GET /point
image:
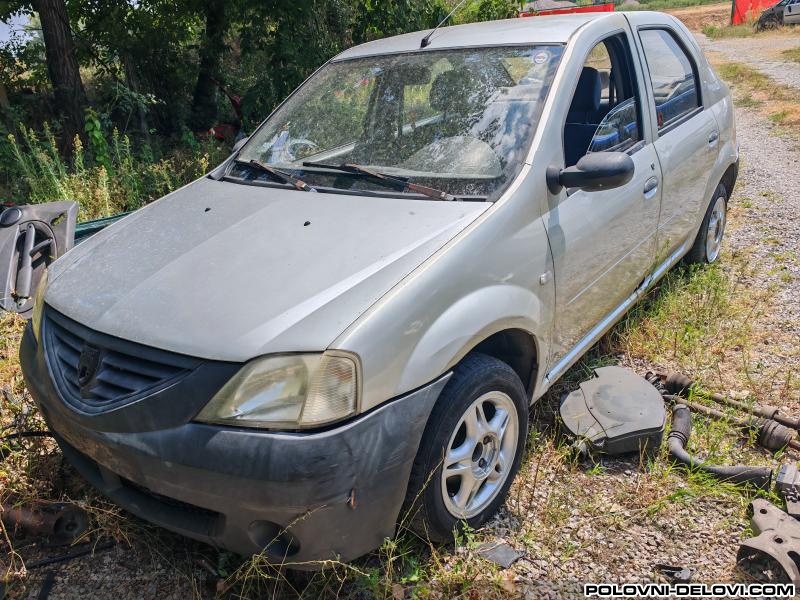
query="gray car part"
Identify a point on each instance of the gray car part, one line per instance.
(787, 483)
(675, 574)
(616, 412)
(500, 553)
(31, 237)
(777, 536)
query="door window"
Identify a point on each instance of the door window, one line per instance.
(604, 114)
(672, 76)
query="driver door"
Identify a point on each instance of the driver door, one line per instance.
(604, 242)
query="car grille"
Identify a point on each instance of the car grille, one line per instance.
(94, 372)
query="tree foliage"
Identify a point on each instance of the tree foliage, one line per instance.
(162, 67)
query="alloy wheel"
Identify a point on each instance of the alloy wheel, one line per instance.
(479, 455)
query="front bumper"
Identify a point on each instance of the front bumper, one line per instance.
(299, 498)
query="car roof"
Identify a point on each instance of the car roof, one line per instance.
(555, 29)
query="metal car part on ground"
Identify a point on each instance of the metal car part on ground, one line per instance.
(769, 433)
(615, 412)
(60, 523)
(777, 536)
(680, 385)
(787, 483)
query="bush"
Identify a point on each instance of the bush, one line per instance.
(119, 180)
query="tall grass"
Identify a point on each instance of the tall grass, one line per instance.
(126, 179)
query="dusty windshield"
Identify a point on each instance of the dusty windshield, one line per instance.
(460, 121)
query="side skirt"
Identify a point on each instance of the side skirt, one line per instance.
(571, 357)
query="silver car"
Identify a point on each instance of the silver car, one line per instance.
(349, 319)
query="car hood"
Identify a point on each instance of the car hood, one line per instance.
(228, 271)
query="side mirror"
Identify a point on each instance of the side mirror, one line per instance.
(238, 145)
(594, 172)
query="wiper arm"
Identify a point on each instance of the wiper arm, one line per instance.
(277, 174)
(397, 183)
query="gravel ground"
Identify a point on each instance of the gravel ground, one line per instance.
(762, 52)
(765, 224)
(573, 524)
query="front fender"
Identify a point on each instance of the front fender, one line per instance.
(468, 322)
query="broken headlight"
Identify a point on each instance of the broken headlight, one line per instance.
(38, 306)
(292, 391)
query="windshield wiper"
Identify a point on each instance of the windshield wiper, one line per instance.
(277, 174)
(397, 183)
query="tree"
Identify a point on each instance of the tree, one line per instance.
(212, 50)
(62, 66)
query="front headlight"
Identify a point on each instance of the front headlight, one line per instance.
(292, 391)
(38, 306)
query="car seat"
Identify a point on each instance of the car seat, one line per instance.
(580, 126)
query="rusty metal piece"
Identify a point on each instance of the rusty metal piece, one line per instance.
(777, 536)
(60, 523)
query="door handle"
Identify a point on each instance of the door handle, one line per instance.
(650, 187)
(713, 137)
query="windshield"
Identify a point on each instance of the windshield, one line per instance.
(457, 120)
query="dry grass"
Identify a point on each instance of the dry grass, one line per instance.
(698, 17)
(779, 103)
(792, 54)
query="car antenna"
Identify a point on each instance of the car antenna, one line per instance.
(426, 41)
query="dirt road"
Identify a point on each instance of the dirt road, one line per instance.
(762, 52)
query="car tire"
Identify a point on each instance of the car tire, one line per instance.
(771, 22)
(481, 456)
(708, 243)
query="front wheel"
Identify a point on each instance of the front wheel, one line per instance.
(708, 243)
(471, 449)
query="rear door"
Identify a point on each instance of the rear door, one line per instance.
(687, 135)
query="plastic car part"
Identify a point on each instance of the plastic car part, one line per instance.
(616, 412)
(31, 237)
(679, 435)
(777, 536)
(680, 384)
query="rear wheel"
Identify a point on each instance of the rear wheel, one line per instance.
(471, 449)
(708, 243)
